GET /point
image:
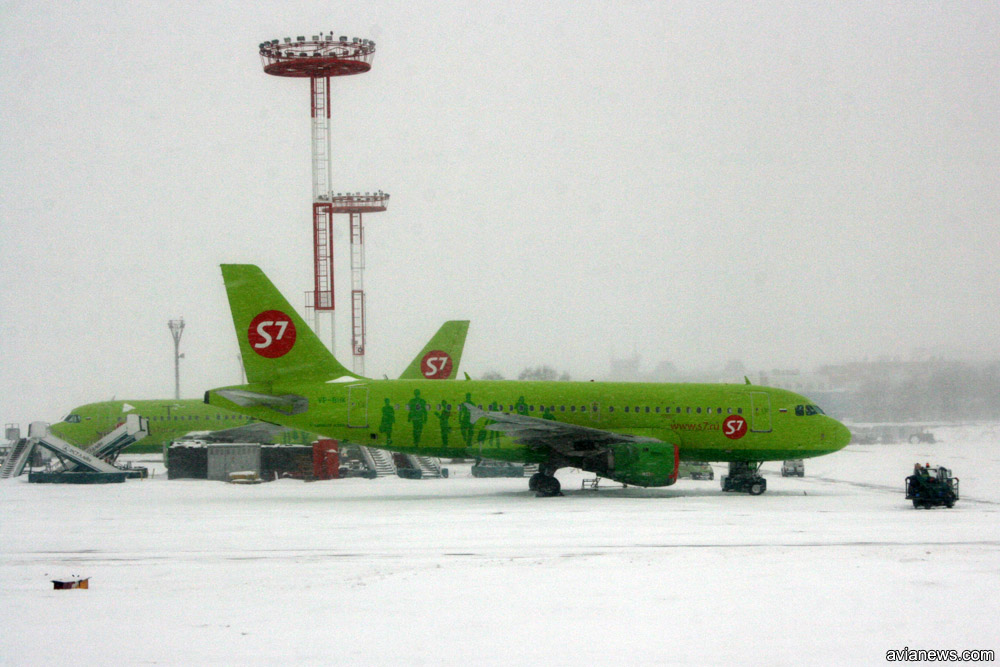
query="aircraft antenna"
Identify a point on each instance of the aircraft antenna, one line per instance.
(176, 329)
(319, 58)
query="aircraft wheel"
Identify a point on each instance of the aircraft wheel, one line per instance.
(548, 486)
(533, 481)
(756, 488)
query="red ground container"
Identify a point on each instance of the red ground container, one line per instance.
(326, 459)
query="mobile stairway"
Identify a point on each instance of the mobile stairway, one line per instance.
(110, 446)
(378, 460)
(430, 468)
(74, 459)
(410, 466)
(16, 459)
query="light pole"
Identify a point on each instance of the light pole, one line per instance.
(176, 329)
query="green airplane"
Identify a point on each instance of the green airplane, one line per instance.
(169, 418)
(634, 433)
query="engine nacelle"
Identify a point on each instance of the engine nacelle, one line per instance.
(639, 464)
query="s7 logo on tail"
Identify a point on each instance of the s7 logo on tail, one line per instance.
(271, 334)
(436, 365)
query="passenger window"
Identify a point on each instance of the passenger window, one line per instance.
(647, 408)
(698, 410)
(626, 408)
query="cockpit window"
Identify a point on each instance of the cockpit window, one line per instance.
(800, 410)
(72, 419)
(808, 410)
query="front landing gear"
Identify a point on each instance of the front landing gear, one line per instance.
(744, 477)
(544, 485)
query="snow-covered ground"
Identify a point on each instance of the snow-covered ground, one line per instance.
(835, 568)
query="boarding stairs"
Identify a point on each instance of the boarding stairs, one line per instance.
(72, 458)
(429, 467)
(379, 460)
(18, 457)
(110, 446)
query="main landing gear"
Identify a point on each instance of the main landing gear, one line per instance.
(744, 477)
(544, 484)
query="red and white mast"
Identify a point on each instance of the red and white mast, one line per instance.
(318, 59)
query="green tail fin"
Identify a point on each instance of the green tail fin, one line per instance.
(275, 342)
(440, 357)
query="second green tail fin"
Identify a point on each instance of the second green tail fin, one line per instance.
(275, 342)
(440, 357)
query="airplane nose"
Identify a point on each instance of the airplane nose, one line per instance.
(841, 434)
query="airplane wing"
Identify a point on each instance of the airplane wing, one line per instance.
(566, 439)
(287, 404)
(255, 432)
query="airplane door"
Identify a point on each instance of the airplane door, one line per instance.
(760, 412)
(357, 406)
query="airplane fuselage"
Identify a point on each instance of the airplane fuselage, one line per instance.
(168, 419)
(708, 422)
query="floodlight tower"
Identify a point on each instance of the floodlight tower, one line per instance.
(318, 59)
(176, 329)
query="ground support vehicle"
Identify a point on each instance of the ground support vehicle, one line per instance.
(744, 477)
(793, 468)
(492, 468)
(931, 487)
(695, 470)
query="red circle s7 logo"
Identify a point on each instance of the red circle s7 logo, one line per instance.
(436, 365)
(271, 334)
(734, 427)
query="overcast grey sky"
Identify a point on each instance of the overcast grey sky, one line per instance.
(784, 183)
